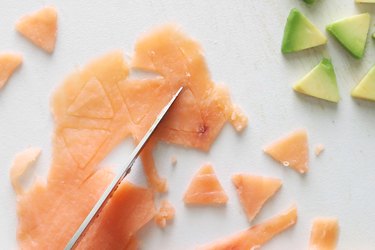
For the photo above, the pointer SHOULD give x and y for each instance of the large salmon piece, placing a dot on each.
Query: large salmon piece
(96, 108)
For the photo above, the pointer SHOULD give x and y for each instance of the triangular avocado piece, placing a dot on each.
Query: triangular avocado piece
(40, 28)
(352, 33)
(84, 143)
(366, 88)
(300, 33)
(254, 191)
(92, 102)
(9, 62)
(205, 188)
(292, 150)
(320, 82)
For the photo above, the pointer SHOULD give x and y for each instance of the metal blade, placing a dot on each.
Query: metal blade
(119, 177)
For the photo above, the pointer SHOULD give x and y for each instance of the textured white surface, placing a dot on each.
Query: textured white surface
(241, 40)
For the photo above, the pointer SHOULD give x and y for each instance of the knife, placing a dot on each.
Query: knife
(119, 177)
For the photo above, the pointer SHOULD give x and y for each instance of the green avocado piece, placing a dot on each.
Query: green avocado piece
(352, 33)
(320, 82)
(366, 87)
(300, 33)
(309, 1)
(365, 1)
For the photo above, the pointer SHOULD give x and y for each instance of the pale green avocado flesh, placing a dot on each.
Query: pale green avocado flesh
(366, 87)
(320, 82)
(300, 33)
(352, 33)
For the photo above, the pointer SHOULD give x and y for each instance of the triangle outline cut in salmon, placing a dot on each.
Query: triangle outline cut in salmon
(291, 150)
(81, 143)
(254, 191)
(92, 102)
(205, 188)
(40, 28)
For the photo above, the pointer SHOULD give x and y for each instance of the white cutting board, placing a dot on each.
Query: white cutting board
(241, 40)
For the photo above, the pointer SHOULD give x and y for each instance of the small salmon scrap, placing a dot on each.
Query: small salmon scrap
(205, 189)
(254, 191)
(324, 234)
(40, 28)
(292, 150)
(22, 161)
(319, 149)
(9, 62)
(255, 236)
(166, 212)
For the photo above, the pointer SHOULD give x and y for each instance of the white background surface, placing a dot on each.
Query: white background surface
(242, 41)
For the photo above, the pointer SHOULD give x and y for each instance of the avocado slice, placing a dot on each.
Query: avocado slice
(300, 33)
(320, 82)
(309, 1)
(352, 33)
(366, 87)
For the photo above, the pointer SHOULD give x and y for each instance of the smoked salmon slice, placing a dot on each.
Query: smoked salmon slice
(95, 109)
(254, 191)
(205, 188)
(22, 161)
(291, 150)
(9, 62)
(324, 234)
(256, 236)
(40, 28)
(166, 212)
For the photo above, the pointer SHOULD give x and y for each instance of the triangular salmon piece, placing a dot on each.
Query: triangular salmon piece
(205, 188)
(254, 191)
(40, 28)
(291, 150)
(256, 236)
(92, 102)
(324, 234)
(9, 62)
(84, 143)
